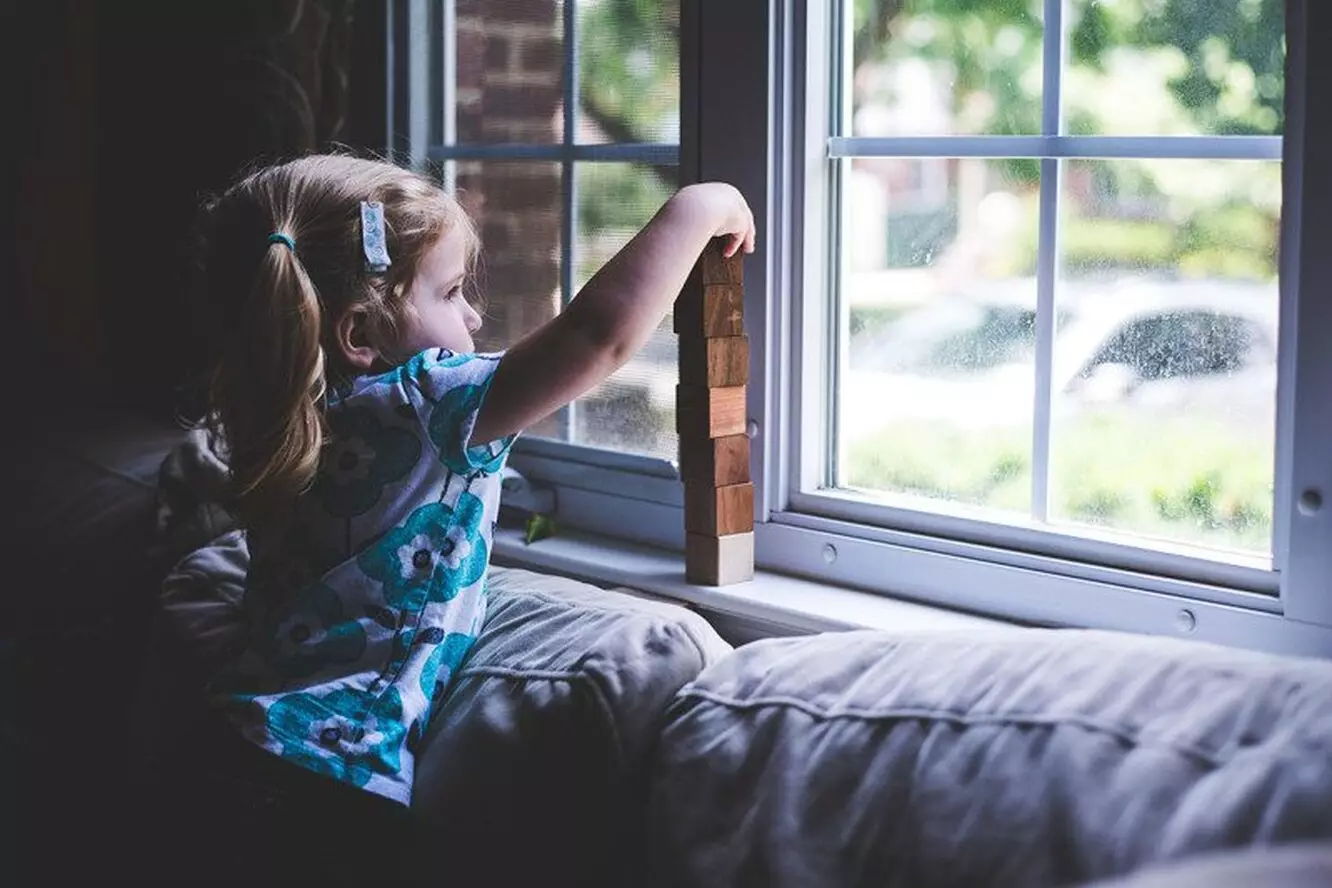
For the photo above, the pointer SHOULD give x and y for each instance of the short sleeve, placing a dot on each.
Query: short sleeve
(448, 389)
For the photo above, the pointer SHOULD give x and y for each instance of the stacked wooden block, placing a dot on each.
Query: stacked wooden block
(710, 418)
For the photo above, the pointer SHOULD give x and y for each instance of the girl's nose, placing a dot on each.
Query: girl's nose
(473, 320)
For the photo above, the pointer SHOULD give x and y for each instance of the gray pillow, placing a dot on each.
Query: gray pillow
(1026, 757)
(534, 770)
(1304, 865)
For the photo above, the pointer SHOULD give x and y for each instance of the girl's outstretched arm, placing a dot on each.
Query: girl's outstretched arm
(614, 313)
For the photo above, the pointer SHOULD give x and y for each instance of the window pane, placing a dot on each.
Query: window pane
(510, 71)
(634, 410)
(936, 399)
(516, 208)
(1165, 367)
(1175, 67)
(628, 71)
(938, 67)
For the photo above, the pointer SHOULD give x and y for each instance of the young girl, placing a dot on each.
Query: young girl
(366, 437)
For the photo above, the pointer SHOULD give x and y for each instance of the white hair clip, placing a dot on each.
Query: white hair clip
(373, 239)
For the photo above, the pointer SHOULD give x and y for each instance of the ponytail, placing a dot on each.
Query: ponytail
(282, 259)
(270, 387)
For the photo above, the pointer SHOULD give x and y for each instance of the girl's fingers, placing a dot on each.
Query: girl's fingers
(733, 244)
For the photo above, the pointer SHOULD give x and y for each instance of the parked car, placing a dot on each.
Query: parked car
(969, 359)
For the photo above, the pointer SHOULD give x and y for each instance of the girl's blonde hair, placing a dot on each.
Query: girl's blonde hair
(272, 309)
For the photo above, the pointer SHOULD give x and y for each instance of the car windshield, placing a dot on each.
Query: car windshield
(951, 338)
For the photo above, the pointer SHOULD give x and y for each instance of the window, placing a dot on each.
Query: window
(558, 124)
(1041, 343)
(1030, 332)
(1074, 354)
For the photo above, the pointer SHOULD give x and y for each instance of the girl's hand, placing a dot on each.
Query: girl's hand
(615, 312)
(728, 214)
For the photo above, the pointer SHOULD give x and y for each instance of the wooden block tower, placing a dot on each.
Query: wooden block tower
(710, 418)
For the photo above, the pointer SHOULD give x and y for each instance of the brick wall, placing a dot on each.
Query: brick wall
(509, 90)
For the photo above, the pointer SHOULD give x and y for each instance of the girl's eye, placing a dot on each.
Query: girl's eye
(455, 293)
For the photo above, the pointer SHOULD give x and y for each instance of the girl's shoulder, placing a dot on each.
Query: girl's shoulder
(433, 369)
(437, 392)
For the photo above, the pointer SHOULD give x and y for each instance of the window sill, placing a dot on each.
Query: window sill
(770, 604)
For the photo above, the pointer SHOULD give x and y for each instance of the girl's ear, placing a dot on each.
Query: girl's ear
(352, 333)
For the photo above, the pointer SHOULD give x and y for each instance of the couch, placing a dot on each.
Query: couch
(596, 737)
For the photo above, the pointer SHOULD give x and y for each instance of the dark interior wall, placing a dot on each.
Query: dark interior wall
(127, 114)
(47, 243)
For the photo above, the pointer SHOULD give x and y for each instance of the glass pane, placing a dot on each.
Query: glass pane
(628, 71)
(940, 67)
(634, 410)
(510, 71)
(516, 208)
(1175, 67)
(936, 398)
(1165, 367)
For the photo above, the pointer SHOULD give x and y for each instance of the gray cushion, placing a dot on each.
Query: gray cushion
(79, 490)
(1304, 865)
(539, 753)
(1027, 757)
(533, 769)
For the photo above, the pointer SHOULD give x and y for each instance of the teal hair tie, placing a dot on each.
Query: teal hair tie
(278, 237)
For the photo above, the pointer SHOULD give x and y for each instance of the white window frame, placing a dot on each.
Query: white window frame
(821, 359)
(1022, 572)
(747, 93)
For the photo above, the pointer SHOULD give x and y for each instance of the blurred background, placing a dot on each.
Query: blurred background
(1164, 375)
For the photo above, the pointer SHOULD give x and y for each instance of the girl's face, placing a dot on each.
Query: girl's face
(438, 315)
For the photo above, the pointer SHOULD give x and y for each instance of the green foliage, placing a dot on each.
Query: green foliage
(629, 67)
(1242, 39)
(1187, 480)
(1234, 243)
(1101, 244)
(869, 319)
(617, 196)
(1234, 51)
(539, 527)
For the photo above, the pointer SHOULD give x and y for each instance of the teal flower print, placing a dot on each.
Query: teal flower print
(442, 666)
(432, 556)
(312, 633)
(363, 458)
(406, 559)
(463, 554)
(417, 369)
(443, 359)
(450, 426)
(411, 561)
(345, 734)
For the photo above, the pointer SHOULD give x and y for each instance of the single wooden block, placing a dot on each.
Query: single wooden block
(709, 310)
(719, 560)
(718, 461)
(703, 413)
(717, 269)
(715, 363)
(719, 511)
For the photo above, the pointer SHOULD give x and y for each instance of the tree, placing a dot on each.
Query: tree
(1136, 67)
(1228, 77)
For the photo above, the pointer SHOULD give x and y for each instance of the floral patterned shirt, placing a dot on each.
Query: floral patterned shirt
(361, 619)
